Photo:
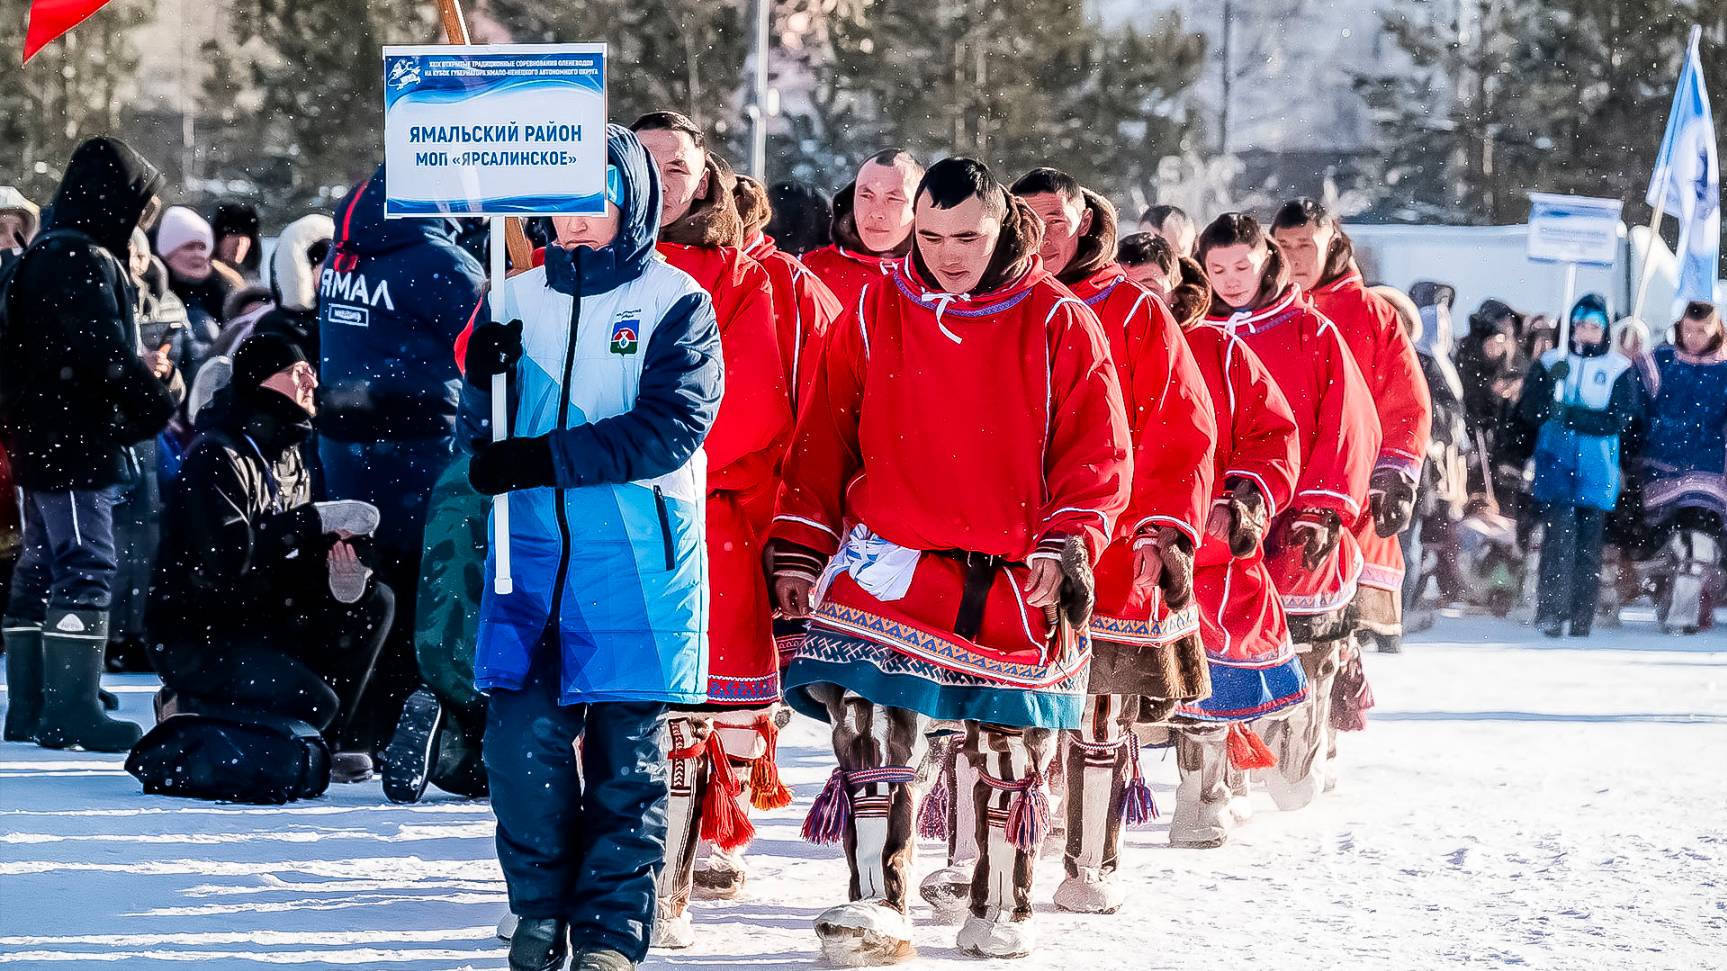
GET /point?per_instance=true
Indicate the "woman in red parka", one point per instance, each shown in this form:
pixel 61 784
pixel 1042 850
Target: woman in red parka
pixel 1312 556
pixel 701 234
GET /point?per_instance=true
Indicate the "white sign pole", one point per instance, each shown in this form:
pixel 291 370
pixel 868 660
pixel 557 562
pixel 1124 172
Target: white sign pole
pixel 503 584
pixel 1560 387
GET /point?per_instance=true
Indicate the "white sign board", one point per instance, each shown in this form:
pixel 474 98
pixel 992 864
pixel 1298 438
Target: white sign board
pixel 495 130
pixel 1573 229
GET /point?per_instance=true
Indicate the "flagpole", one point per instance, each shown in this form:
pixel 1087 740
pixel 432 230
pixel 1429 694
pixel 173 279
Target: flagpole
pixel 1661 199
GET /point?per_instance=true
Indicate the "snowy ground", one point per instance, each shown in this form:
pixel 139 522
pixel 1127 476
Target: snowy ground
pixel 1517 801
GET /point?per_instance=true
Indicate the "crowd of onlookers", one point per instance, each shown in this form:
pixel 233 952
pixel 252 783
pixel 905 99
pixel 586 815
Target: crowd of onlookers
pixel 160 377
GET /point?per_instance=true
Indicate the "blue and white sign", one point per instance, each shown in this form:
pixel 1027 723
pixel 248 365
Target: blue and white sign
pixel 1573 229
pixel 495 130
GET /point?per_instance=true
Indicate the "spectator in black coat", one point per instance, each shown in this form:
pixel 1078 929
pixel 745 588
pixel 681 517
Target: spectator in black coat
pixel 76 397
pixel 261 597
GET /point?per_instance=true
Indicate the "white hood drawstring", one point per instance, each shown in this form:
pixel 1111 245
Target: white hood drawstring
pixel 1235 320
pixel 941 301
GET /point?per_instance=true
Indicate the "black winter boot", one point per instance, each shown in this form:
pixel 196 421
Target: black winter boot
pixel 23 679
pixel 409 758
pixel 73 644
pixel 539 944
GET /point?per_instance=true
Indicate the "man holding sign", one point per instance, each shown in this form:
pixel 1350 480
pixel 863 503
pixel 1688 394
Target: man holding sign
pixel 615 374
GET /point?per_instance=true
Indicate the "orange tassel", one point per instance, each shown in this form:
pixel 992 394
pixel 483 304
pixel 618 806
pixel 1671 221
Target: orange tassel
pixel 724 822
pixel 1247 750
pixel 767 791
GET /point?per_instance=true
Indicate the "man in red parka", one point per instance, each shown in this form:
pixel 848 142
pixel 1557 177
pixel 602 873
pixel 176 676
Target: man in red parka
pixel 1322 262
pixel 871 226
pixel 701 234
pixel 1311 549
pixel 959 466
pixel 1146 650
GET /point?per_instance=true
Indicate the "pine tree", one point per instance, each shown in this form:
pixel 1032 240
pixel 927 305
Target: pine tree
pixel 1530 95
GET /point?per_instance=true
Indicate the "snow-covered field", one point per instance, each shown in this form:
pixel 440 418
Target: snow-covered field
pixel 1550 804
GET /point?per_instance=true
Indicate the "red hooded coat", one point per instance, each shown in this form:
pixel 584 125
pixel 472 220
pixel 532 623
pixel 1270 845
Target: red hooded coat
pixel 990 423
pixel 744 450
pixel 1339 434
pixel 803 309
pixel 1375 336
pixel 846 272
pixel 1170 418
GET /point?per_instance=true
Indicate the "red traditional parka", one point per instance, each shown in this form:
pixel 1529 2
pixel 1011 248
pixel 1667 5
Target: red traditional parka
pixel 941 425
pixel 1371 329
pixel 1170 419
pixel 744 450
pixel 1339 433
pixel 803 309
pixel 1241 616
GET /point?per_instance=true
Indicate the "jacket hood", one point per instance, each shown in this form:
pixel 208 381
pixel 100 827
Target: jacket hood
pixel 844 228
pixel 104 193
pixel 1591 304
pixel 1339 260
pixel 362 230
pixel 300 252
pixel 1433 301
pixel 11 200
pixel 1191 297
pixel 1097 247
pixel 1015 250
pixel 588 271
pixel 1408 314
pixel 713 217
pixel 754 209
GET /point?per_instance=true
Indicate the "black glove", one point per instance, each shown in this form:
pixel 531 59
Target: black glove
pixel 493 348
pixel 1078 587
pixel 1247 518
pixel 1393 499
pixel 514 463
pixel 1316 531
pixel 1560 370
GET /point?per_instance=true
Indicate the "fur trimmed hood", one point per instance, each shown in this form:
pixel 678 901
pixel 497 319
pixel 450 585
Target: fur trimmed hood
pixel 299 255
pixel 754 209
pixel 1097 247
pixel 713 217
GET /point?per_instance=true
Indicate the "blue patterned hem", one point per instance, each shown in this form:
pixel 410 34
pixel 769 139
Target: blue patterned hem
pixel 1243 694
pixel 886 677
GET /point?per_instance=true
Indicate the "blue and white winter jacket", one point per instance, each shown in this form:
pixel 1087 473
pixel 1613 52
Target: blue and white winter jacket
pixel 392 296
pixel 622 371
pixel 1578 439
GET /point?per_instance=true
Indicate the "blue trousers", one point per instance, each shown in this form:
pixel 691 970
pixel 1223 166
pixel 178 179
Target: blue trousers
pixel 68 561
pixel 1570 581
pixel 581 837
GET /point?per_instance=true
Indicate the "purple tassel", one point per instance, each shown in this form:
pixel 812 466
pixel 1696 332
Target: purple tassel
pixel 826 822
pixel 1138 808
pixel 932 815
pixel 1028 816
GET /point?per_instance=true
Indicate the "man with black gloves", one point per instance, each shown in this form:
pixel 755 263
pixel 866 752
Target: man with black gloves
pixel 614 360
pixel 262 597
pixel 76 397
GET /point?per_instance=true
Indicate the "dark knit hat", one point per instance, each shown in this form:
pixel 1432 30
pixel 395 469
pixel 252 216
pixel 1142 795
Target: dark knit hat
pixel 261 357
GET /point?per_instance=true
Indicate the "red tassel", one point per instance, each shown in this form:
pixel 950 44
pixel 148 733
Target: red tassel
pixel 724 822
pixel 1028 815
pixel 1247 750
pixel 767 791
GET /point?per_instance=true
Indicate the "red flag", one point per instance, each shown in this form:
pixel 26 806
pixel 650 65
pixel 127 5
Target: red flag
pixel 51 18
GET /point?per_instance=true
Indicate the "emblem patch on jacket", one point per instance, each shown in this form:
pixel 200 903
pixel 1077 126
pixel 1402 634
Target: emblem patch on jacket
pixel 626 334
